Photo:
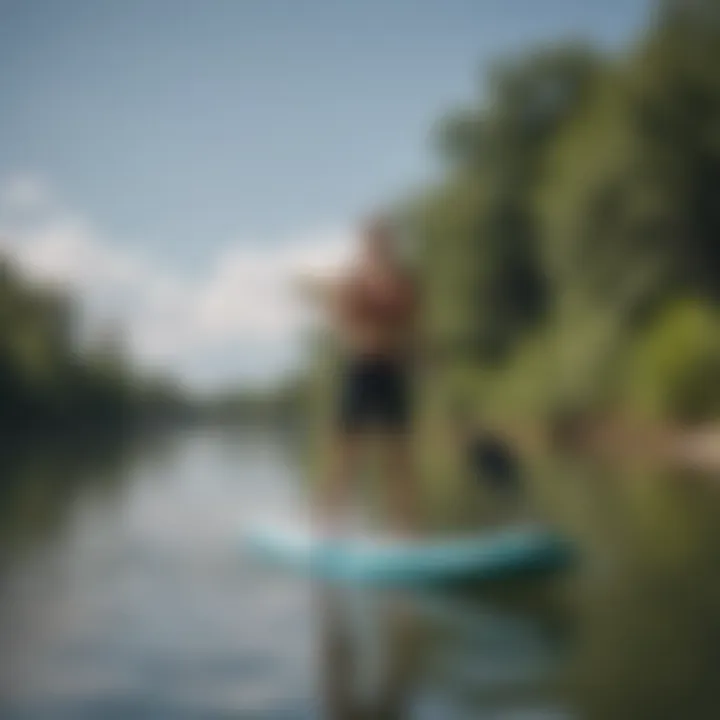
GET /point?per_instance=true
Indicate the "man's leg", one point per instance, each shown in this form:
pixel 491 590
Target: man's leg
pixel 333 498
pixel 396 417
pixel 404 486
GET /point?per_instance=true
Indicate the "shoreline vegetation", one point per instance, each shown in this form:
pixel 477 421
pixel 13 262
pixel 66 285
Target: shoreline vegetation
pixel 570 251
pixel 685 448
pixel 54 386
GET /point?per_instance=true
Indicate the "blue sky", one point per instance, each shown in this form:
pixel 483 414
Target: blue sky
pixel 178 139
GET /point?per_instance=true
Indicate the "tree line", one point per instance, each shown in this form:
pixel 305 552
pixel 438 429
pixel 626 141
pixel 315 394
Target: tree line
pixel 571 249
pixel 51 382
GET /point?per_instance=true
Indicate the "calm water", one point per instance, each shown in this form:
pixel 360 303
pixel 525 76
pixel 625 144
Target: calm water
pixel 123 594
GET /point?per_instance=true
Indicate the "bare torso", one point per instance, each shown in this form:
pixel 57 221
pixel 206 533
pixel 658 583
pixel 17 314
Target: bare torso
pixel 375 311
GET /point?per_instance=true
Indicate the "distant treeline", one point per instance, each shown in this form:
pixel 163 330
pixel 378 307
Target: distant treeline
pixel 52 383
pixel 571 253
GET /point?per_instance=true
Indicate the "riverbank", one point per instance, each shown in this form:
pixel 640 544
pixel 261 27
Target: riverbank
pixel 693 448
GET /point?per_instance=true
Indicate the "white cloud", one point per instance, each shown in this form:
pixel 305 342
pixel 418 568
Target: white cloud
pixel 242 307
pixel 68 250
pixel 23 193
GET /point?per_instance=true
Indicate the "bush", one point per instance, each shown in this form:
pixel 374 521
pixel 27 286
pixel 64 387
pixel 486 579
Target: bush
pixel 674 368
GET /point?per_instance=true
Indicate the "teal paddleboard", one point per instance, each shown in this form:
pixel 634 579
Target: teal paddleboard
pixel 483 555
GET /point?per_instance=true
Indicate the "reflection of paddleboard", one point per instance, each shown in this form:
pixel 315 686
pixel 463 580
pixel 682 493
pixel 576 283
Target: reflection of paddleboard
pixel 491 554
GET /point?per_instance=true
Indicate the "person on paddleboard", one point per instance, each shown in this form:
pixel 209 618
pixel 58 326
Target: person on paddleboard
pixel 374 307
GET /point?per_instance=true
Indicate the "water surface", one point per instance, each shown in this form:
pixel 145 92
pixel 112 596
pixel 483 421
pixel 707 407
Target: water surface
pixel 124 594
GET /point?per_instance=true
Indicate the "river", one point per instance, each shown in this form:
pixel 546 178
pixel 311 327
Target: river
pixel 124 593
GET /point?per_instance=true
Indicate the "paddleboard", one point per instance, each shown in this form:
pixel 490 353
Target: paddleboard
pixel 487 554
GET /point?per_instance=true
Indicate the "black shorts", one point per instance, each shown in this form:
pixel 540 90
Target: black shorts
pixel 375 392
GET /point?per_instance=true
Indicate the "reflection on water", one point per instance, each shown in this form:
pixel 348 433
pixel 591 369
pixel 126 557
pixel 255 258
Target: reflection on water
pixel 124 594
pixel 365 674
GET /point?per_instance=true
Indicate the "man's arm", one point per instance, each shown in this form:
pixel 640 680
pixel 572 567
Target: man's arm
pixel 328 292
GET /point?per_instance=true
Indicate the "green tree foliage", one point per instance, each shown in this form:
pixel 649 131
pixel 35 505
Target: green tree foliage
pixel 49 383
pixel 579 203
pixel 484 222
pixel 674 365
